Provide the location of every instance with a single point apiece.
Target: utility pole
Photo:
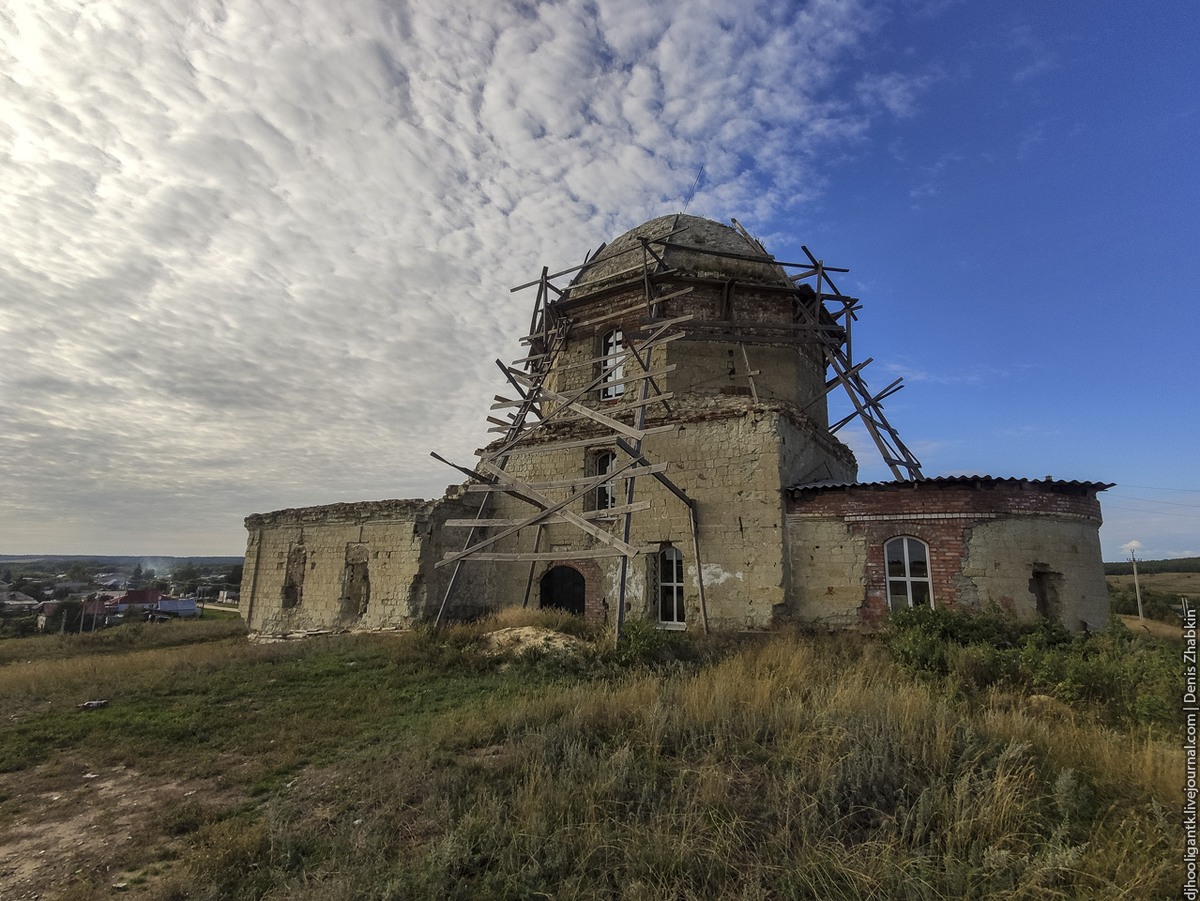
(1137, 589)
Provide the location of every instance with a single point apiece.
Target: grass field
(927, 764)
(1186, 584)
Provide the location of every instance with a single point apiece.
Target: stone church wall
(346, 566)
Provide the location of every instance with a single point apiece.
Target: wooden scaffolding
(526, 421)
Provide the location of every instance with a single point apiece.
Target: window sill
(673, 627)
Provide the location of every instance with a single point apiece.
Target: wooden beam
(750, 323)
(652, 469)
(665, 370)
(586, 264)
(728, 254)
(548, 556)
(552, 446)
(590, 515)
(732, 338)
(527, 492)
(674, 336)
(530, 494)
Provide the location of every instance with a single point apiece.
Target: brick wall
(986, 539)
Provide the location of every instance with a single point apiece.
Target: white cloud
(253, 256)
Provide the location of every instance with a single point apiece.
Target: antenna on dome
(692, 193)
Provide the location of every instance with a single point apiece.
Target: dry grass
(794, 768)
(1186, 584)
(1151, 627)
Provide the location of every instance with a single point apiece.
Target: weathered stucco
(1028, 547)
(342, 566)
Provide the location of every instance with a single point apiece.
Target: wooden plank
(730, 255)
(590, 515)
(665, 370)
(731, 338)
(505, 403)
(674, 336)
(555, 555)
(650, 470)
(622, 407)
(587, 263)
(578, 521)
(530, 494)
(837, 379)
(751, 323)
(532, 358)
(552, 446)
(750, 373)
(636, 454)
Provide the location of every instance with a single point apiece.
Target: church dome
(688, 244)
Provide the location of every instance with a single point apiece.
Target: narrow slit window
(606, 492)
(293, 577)
(670, 587)
(612, 345)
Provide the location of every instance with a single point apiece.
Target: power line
(1152, 512)
(1157, 488)
(1150, 500)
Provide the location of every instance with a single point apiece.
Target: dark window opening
(606, 492)
(1044, 586)
(563, 588)
(293, 577)
(356, 583)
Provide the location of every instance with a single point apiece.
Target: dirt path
(65, 822)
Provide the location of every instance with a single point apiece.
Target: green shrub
(1122, 677)
(1156, 605)
(642, 642)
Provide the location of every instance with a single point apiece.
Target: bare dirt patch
(520, 639)
(1153, 626)
(64, 822)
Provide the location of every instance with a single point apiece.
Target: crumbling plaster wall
(987, 544)
(1002, 556)
(827, 565)
(365, 565)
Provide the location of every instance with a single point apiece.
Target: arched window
(670, 586)
(613, 344)
(907, 573)
(564, 588)
(606, 492)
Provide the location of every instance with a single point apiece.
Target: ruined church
(663, 451)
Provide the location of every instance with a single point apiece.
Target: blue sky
(258, 256)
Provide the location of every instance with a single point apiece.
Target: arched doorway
(563, 589)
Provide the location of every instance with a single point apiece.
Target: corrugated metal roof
(951, 480)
